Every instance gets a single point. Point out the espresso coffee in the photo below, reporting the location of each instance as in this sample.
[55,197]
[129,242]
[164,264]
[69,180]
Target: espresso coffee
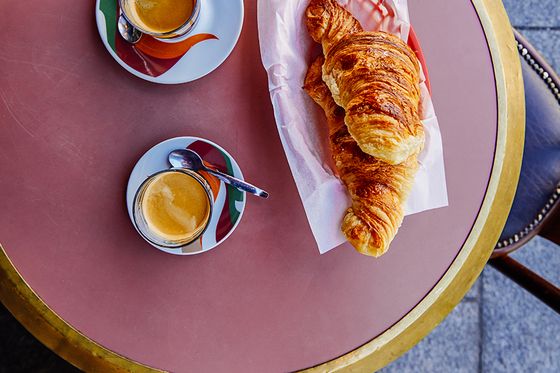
[175,206]
[159,16]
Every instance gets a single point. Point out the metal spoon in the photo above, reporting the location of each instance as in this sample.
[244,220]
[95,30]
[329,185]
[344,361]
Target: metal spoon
[127,31]
[185,158]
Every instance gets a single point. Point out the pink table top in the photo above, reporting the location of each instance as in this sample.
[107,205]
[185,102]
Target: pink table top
[73,124]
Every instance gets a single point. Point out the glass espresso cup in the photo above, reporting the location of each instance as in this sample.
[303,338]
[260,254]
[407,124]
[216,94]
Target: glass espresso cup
[172,208]
[164,19]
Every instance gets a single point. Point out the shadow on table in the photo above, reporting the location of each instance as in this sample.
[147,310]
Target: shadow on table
[21,352]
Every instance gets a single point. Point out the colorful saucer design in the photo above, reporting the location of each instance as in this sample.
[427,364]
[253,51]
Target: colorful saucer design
[229,202]
[206,47]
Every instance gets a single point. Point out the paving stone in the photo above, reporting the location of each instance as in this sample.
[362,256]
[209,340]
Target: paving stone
[542,256]
[474,292]
[519,333]
[452,347]
[533,13]
[548,44]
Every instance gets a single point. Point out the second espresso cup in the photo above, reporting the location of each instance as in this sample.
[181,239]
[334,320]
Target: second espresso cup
[172,208]
[164,19]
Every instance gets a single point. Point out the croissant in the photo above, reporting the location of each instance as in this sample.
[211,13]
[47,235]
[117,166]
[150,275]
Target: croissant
[377,189]
[374,76]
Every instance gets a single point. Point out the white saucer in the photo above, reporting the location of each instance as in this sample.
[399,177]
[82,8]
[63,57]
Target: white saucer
[229,203]
[221,18]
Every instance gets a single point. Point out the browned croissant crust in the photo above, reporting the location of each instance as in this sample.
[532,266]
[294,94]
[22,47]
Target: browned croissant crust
[374,76]
[327,22]
[378,189]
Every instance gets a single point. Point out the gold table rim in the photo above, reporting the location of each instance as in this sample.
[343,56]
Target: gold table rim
[81,351]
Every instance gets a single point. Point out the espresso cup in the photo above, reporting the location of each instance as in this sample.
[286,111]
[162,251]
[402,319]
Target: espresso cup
[163,19]
[172,208]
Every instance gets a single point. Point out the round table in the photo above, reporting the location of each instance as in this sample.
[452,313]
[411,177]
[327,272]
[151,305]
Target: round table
[76,274]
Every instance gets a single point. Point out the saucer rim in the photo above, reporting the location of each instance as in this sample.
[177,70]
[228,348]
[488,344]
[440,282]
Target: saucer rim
[177,251]
[101,26]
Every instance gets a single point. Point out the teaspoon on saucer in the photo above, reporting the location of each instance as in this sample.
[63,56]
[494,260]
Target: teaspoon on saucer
[185,158]
[127,31]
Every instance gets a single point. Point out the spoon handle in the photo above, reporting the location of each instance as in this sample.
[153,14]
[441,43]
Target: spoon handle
[237,183]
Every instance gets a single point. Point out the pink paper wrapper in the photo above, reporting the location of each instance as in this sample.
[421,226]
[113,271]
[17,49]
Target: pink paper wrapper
[287,50]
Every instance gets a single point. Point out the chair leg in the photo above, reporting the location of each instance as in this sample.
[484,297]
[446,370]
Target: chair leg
[551,227]
[529,280]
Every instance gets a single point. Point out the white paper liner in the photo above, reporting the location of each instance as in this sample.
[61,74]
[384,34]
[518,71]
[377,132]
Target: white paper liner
[287,50]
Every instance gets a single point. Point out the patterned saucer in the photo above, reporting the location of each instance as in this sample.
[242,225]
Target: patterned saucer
[229,202]
[207,46]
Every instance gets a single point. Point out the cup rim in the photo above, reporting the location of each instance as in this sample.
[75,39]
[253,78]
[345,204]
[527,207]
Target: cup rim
[168,34]
[195,175]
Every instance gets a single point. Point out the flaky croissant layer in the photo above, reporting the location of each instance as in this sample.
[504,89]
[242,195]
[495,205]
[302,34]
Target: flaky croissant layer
[377,189]
[374,76]
[368,86]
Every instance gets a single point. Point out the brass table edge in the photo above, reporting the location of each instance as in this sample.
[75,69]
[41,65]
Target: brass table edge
[55,333]
[84,353]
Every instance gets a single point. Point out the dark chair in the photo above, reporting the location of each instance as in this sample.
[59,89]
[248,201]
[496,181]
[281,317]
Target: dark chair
[536,207]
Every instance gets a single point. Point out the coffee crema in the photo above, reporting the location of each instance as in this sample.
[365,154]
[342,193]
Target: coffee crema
[175,206]
[160,16]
